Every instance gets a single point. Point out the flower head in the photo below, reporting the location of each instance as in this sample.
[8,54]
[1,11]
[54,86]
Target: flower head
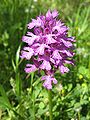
[49,47]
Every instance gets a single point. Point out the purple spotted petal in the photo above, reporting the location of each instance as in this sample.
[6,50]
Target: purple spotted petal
[45,65]
[50,39]
[55,13]
[48,80]
[48,14]
[30,68]
[41,48]
[27,53]
[35,22]
[56,55]
[63,69]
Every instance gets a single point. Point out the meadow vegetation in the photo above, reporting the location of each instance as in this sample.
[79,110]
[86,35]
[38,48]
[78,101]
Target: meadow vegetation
[22,96]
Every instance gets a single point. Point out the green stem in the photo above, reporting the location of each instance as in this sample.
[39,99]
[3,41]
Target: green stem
[50,104]
[34,118]
[33,95]
[32,76]
[79,115]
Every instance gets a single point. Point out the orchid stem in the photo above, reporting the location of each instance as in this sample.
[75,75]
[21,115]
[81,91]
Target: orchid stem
[33,96]
[32,76]
[50,104]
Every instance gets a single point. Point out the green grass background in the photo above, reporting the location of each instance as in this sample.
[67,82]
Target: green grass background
[22,97]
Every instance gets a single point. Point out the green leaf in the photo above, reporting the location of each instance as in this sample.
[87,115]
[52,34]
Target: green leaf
[13,64]
[4,99]
[17,55]
[3,104]
[84,71]
[18,84]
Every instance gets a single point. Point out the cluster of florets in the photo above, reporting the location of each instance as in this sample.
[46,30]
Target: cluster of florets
[48,47]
